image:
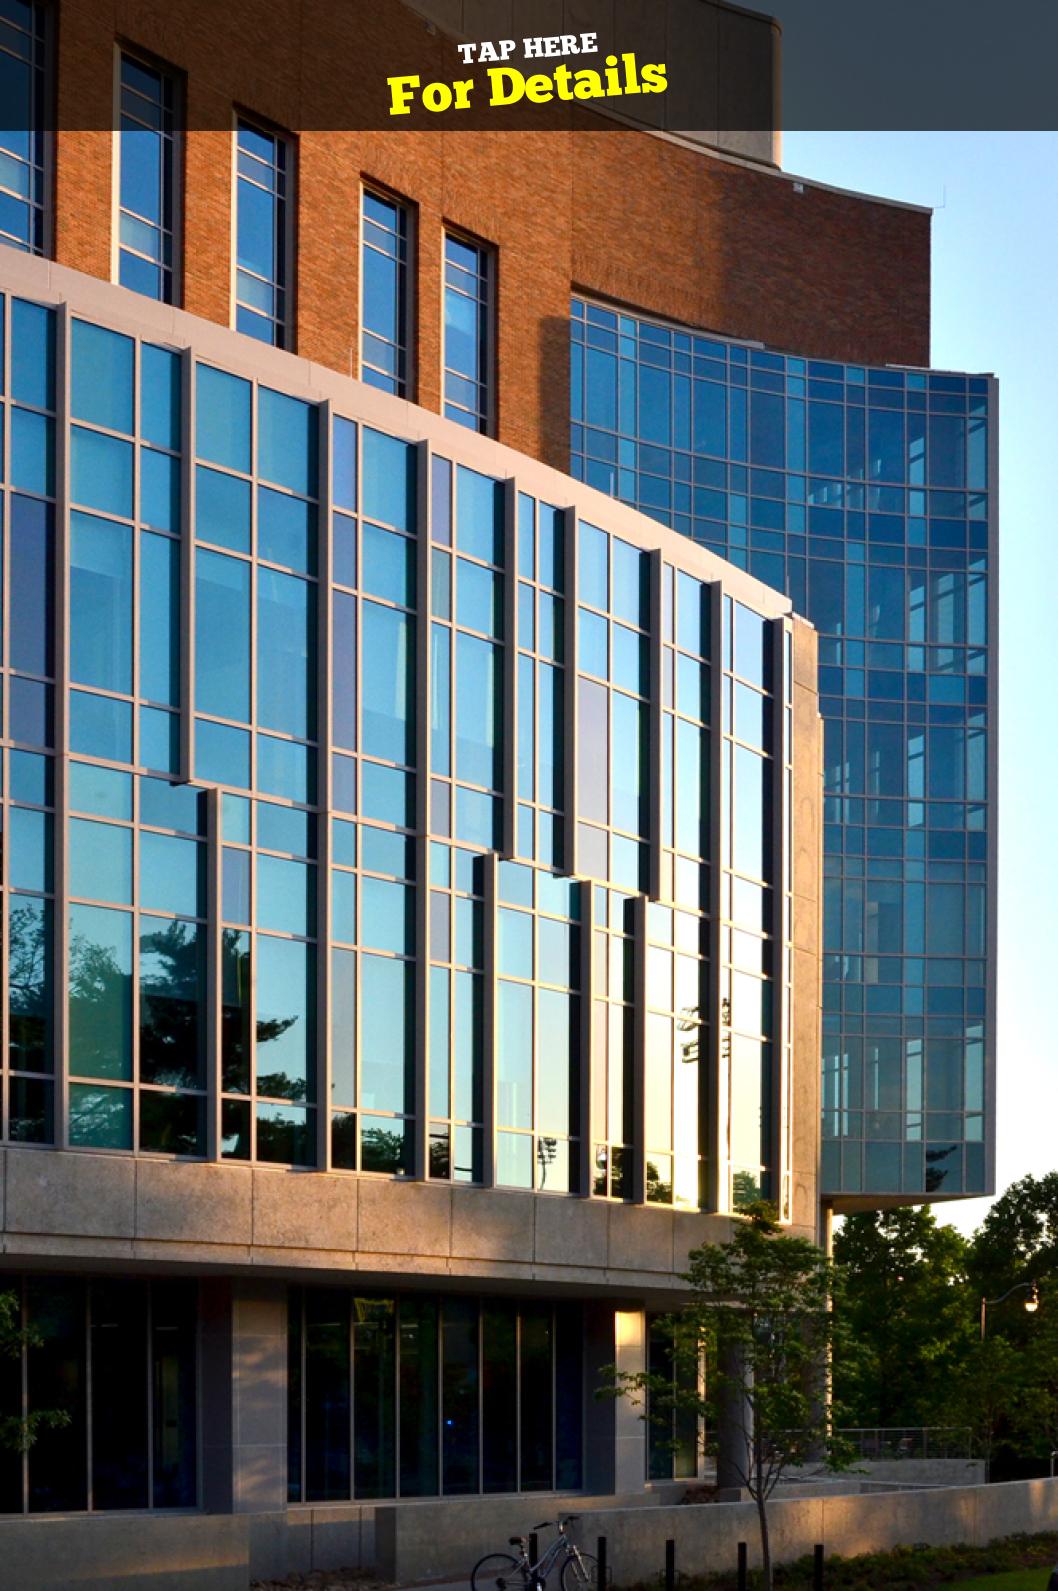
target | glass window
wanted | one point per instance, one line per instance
(222, 509)
(387, 697)
(262, 234)
(287, 445)
(286, 629)
(384, 293)
(23, 132)
(222, 636)
(101, 371)
(172, 1005)
(148, 180)
(222, 418)
(467, 333)
(100, 603)
(389, 480)
(100, 1000)
(101, 471)
(284, 979)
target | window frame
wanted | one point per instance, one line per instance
(287, 232)
(152, 63)
(48, 100)
(408, 386)
(490, 255)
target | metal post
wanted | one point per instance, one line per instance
(743, 1573)
(600, 1553)
(670, 1566)
(534, 1548)
(817, 1567)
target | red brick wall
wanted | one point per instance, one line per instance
(663, 228)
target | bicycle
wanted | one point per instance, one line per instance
(499, 1571)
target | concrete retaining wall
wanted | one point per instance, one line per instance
(126, 1552)
(422, 1540)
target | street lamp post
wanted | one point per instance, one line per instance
(1032, 1303)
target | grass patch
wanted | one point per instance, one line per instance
(1017, 1580)
(1015, 1563)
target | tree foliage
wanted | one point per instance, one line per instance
(764, 1313)
(19, 1432)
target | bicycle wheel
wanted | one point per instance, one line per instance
(497, 1572)
(580, 1573)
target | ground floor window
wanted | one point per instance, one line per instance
(421, 1396)
(118, 1360)
(672, 1426)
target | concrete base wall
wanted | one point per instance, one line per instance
(129, 1552)
(420, 1541)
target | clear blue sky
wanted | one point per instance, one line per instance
(995, 308)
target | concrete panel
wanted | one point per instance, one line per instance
(492, 1225)
(640, 1238)
(1018, 1506)
(879, 1521)
(139, 1552)
(691, 1230)
(336, 1538)
(304, 1210)
(404, 1218)
(571, 1232)
(68, 1191)
(182, 1202)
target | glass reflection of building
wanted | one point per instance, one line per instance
(863, 494)
(369, 813)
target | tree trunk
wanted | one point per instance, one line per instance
(765, 1539)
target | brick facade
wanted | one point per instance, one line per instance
(666, 228)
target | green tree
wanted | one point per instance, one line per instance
(763, 1311)
(19, 1432)
(911, 1308)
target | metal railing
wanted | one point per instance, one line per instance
(914, 1441)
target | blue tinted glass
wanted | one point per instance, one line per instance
(592, 643)
(287, 444)
(100, 727)
(389, 480)
(630, 571)
(285, 829)
(29, 841)
(285, 768)
(286, 895)
(101, 472)
(286, 530)
(222, 636)
(159, 740)
(286, 1000)
(388, 565)
(343, 843)
(100, 861)
(160, 396)
(343, 463)
(593, 576)
(749, 646)
(222, 754)
(343, 906)
(100, 992)
(32, 452)
(33, 354)
(479, 598)
(387, 698)
(384, 851)
(101, 377)
(222, 509)
(477, 818)
(172, 874)
(159, 490)
(388, 795)
(479, 515)
(159, 619)
(100, 603)
(222, 418)
(100, 1118)
(386, 1033)
(31, 579)
(104, 791)
(286, 627)
(387, 919)
(478, 709)
(173, 806)
(516, 944)
(30, 777)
